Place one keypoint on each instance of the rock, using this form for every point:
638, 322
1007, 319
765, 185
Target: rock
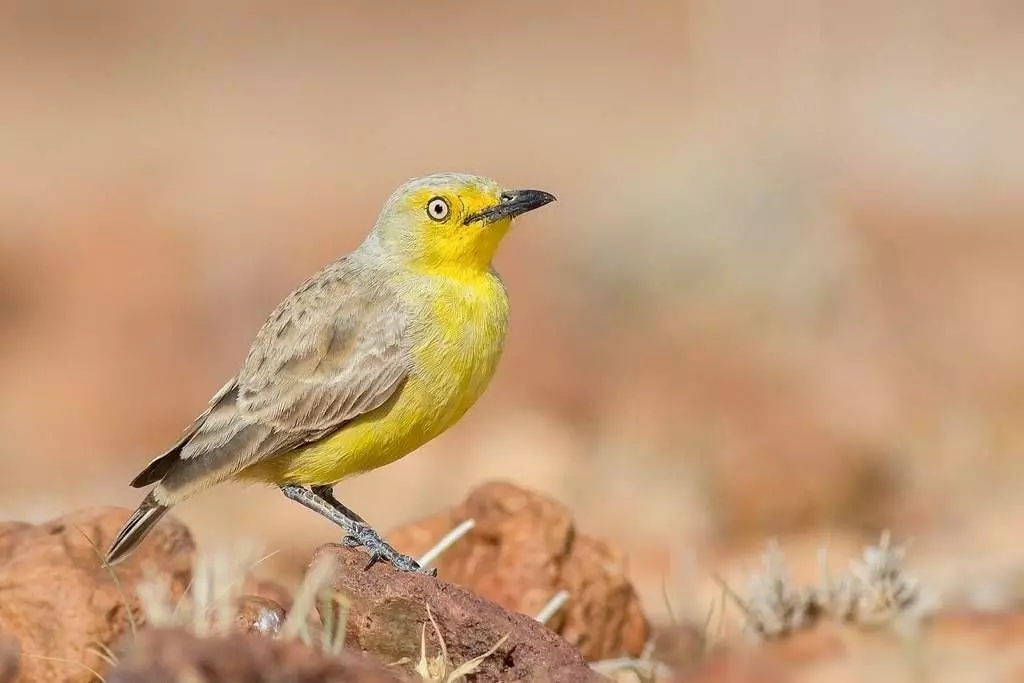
10, 532
158, 656
259, 616
60, 601
10, 658
388, 611
271, 590
522, 551
679, 645
275, 592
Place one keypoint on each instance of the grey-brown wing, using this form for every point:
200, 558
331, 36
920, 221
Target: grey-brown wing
333, 350
158, 468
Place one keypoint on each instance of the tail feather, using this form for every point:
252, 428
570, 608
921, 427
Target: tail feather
135, 529
162, 465
157, 469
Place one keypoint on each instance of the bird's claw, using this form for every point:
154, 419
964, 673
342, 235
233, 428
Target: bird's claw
379, 550
372, 560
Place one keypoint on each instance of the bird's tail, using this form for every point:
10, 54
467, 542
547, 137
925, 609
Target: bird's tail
135, 529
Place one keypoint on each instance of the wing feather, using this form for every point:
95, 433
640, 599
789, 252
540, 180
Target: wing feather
333, 350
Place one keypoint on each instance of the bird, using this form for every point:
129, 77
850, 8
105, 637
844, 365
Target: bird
377, 353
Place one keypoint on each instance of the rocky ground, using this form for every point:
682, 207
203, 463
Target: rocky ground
495, 613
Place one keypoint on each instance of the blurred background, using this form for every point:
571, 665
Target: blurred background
781, 294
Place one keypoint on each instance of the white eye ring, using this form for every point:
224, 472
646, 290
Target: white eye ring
437, 208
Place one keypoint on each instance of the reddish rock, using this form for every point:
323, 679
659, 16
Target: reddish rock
522, 551
259, 616
275, 592
10, 658
162, 656
271, 590
388, 610
60, 601
10, 532
679, 646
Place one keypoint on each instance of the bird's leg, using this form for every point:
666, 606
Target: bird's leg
327, 493
360, 532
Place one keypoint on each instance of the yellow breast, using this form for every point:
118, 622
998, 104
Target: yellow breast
457, 334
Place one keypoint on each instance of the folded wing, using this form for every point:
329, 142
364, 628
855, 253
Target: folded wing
332, 351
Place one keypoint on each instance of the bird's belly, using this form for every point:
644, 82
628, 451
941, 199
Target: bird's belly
452, 368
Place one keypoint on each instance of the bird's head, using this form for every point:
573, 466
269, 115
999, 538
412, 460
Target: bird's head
450, 221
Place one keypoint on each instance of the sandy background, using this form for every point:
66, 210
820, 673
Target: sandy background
781, 294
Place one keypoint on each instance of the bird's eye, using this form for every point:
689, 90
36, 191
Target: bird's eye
437, 208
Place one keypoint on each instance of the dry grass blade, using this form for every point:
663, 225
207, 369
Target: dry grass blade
157, 602
556, 603
440, 638
667, 601
728, 592
432, 669
646, 670
876, 591
61, 660
705, 626
447, 541
439, 669
775, 605
466, 668
132, 624
210, 603
103, 652
880, 591
202, 594
644, 667
315, 580
334, 607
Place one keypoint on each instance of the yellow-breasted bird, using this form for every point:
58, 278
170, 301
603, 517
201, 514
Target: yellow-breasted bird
367, 360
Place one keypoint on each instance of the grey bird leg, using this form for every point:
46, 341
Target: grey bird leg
327, 494
359, 531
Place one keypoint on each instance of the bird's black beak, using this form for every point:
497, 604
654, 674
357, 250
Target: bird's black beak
513, 203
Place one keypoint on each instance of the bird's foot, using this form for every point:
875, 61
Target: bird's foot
363, 535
